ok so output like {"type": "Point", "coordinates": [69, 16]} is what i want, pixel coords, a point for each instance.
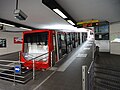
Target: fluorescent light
{"type": "Point", "coordinates": [7, 24]}
{"type": "Point", "coordinates": [60, 13]}
{"type": "Point", "coordinates": [25, 28]}
{"type": "Point", "coordinates": [70, 22]}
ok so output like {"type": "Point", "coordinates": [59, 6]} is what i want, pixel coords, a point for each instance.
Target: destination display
{"type": "Point", "coordinates": [90, 23]}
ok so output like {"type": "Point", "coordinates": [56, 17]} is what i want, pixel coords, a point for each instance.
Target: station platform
{"type": "Point", "coordinates": [65, 75]}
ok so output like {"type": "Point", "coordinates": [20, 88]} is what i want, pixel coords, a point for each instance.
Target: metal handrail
{"type": "Point", "coordinates": [3, 68]}
{"type": "Point", "coordinates": [42, 58]}
{"type": "Point", "coordinates": [90, 66]}
{"type": "Point", "coordinates": [7, 67]}
{"type": "Point", "coordinates": [9, 61]}
{"type": "Point", "coordinates": [39, 56]}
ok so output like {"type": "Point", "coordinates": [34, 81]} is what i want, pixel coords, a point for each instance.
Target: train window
{"type": "Point", "coordinates": [68, 39]}
{"type": "Point", "coordinates": [39, 38]}
{"type": "Point", "coordinates": [36, 44]}
{"type": "Point", "coordinates": [62, 37]}
{"type": "Point", "coordinates": [59, 41]}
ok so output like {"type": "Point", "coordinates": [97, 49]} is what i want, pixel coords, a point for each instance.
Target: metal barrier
{"type": "Point", "coordinates": [88, 77]}
{"type": "Point", "coordinates": [84, 77]}
{"type": "Point", "coordinates": [91, 76]}
{"type": "Point", "coordinates": [14, 71]}
{"type": "Point", "coordinates": [88, 73]}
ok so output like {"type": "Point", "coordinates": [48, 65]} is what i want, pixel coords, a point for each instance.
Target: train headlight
{"type": "Point", "coordinates": [27, 67]}
{"type": "Point", "coordinates": [44, 60]}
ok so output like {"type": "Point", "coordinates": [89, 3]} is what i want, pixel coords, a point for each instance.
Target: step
{"type": "Point", "coordinates": [107, 77]}
{"type": "Point", "coordinates": [17, 75]}
{"type": "Point", "coordinates": [21, 78]}
{"type": "Point", "coordinates": [105, 86]}
{"type": "Point", "coordinates": [107, 72]}
{"type": "Point", "coordinates": [107, 67]}
{"type": "Point", "coordinates": [19, 81]}
{"type": "Point", "coordinates": [108, 82]}
{"type": "Point", "coordinates": [11, 70]}
{"type": "Point", "coordinates": [97, 87]}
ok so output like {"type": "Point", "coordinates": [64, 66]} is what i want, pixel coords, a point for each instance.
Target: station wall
{"type": "Point", "coordinates": [115, 38]}
{"type": "Point", "coordinates": [103, 45]}
{"type": "Point", "coordinates": [11, 47]}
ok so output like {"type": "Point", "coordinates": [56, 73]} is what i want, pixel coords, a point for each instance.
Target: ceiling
{"type": "Point", "coordinates": [40, 16]}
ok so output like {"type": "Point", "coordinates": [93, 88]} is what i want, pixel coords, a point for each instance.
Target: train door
{"type": "Point", "coordinates": [54, 52]}
{"type": "Point", "coordinates": [68, 39]}
{"type": "Point", "coordinates": [61, 44]}
{"type": "Point", "coordinates": [79, 38]}
{"type": "Point", "coordinates": [66, 43]}
{"type": "Point", "coordinates": [76, 40]}
{"type": "Point", "coordinates": [83, 37]}
{"type": "Point", "coordinates": [73, 40]}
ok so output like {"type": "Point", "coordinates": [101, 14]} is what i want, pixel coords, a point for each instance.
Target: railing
{"type": "Point", "coordinates": [88, 73]}
{"type": "Point", "coordinates": [7, 70]}
{"type": "Point", "coordinates": [33, 59]}
{"type": "Point", "coordinates": [88, 77]}
{"type": "Point", "coordinates": [37, 57]}
{"type": "Point", "coordinates": [91, 76]}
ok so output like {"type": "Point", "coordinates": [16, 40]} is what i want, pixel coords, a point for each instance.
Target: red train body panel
{"type": "Point", "coordinates": [46, 47]}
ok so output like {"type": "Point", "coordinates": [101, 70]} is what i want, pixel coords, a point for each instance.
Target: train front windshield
{"type": "Point", "coordinates": [36, 45]}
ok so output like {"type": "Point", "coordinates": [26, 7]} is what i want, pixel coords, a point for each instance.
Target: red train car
{"type": "Point", "coordinates": [46, 47]}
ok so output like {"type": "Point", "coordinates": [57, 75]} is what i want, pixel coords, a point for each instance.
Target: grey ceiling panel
{"type": "Point", "coordinates": [40, 16]}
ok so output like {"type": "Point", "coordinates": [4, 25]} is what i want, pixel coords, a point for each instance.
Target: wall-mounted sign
{"type": "Point", "coordinates": [18, 40]}
{"type": "Point", "coordinates": [102, 31]}
{"type": "Point", "coordinates": [2, 43]}
{"type": "Point", "coordinates": [90, 23]}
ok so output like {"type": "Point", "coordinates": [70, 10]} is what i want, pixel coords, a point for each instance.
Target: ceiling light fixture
{"type": "Point", "coordinates": [25, 28]}
{"type": "Point", "coordinates": [60, 13]}
{"type": "Point", "coordinates": [54, 6]}
{"type": "Point", "coordinates": [70, 21]}
{"type": "Point", "coordinates": [14, 24]}
{"type": "Point", "coordinates": [7, 24]}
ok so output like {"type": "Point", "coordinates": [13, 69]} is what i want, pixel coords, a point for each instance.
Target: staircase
{"type": "Point", "coordinates": [106, 77]}
{"type": "Point", "coordinates": [7, 72]}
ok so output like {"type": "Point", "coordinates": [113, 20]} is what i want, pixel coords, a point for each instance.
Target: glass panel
{"type": "Point", "coordinates": [35, 44]}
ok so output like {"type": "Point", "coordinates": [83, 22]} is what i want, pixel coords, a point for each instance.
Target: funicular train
{"type": "Point", "coordinates": [47, 47]}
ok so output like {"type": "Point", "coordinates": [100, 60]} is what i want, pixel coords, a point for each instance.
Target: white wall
{"type": "Point", "coordinates": [114, 32]}
{"type": "Point", "coordinates": [11, 47]}
{"type": "Point", "coordinates": [104, 45]}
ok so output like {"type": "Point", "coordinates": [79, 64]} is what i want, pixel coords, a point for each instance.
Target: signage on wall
{"type": "Point", "coordinates": [2, 43]}
{"type": "Point", "coordinates": [89, 23]}
{"type": "Point", "coordinates": [18, 40]}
